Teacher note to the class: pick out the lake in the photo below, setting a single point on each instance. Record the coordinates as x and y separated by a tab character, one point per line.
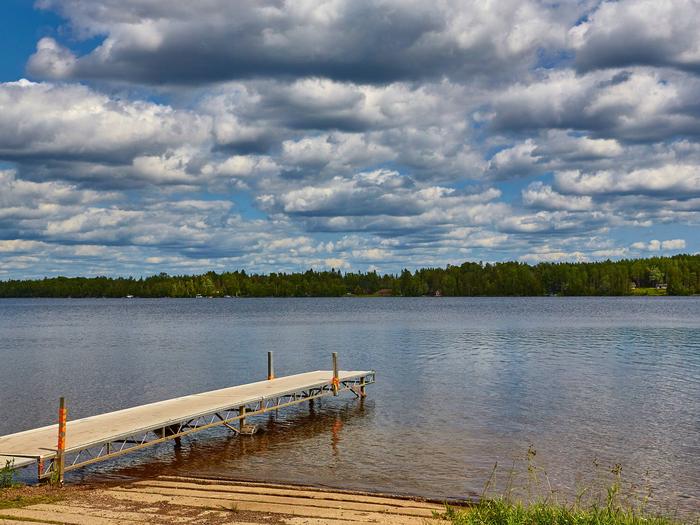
462	384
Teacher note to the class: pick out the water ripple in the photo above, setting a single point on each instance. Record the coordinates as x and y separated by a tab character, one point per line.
462	384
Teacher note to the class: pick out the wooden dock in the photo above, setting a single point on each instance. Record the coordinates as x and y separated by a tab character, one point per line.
105	436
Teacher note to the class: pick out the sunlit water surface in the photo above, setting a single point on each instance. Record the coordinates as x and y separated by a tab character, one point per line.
462	384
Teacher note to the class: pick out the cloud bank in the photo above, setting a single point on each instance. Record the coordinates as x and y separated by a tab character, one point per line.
277	135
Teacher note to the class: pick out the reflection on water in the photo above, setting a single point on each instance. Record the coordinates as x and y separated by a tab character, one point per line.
310	429
461	384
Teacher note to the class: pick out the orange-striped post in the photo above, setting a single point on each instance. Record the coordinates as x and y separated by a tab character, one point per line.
60	449
40	468
270	367
336	381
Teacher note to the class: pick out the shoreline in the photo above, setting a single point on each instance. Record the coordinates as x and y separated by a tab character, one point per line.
206	500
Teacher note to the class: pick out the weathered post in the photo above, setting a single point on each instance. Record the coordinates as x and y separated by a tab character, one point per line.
363	392
270	367
59	464
241	421
336	381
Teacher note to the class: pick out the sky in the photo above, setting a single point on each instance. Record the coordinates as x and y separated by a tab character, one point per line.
144	136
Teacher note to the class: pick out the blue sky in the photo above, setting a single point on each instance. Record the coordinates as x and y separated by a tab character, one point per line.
20	27
138	137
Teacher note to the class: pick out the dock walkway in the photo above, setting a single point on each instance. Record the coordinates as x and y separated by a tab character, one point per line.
105	436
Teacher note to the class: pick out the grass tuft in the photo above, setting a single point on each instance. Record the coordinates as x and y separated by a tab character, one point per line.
7	475
537	503
15	495
499	511
16	501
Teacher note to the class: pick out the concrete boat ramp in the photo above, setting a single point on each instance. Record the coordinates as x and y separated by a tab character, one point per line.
171	500
105	436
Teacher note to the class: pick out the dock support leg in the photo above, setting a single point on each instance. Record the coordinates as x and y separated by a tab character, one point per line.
270	367
59	462
241	422
336	382
363	392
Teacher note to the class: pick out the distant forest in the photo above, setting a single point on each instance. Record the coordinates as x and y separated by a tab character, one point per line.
677	275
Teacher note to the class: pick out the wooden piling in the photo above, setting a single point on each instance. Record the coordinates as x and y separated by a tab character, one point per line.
241	421
336	381
270	367
61	446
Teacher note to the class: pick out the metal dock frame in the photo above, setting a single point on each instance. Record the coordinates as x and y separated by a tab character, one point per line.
69	455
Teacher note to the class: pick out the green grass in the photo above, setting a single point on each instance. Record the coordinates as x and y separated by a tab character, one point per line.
16	501
648	291
500	511
15	495
7	475
533	501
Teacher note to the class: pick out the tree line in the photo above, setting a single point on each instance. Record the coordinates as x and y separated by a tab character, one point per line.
677	275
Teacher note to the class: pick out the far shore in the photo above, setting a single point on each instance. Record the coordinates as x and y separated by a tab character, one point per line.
677	275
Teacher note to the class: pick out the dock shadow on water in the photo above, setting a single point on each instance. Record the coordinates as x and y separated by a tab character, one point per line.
317	430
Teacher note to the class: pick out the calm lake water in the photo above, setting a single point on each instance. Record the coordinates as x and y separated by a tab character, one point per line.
461	384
